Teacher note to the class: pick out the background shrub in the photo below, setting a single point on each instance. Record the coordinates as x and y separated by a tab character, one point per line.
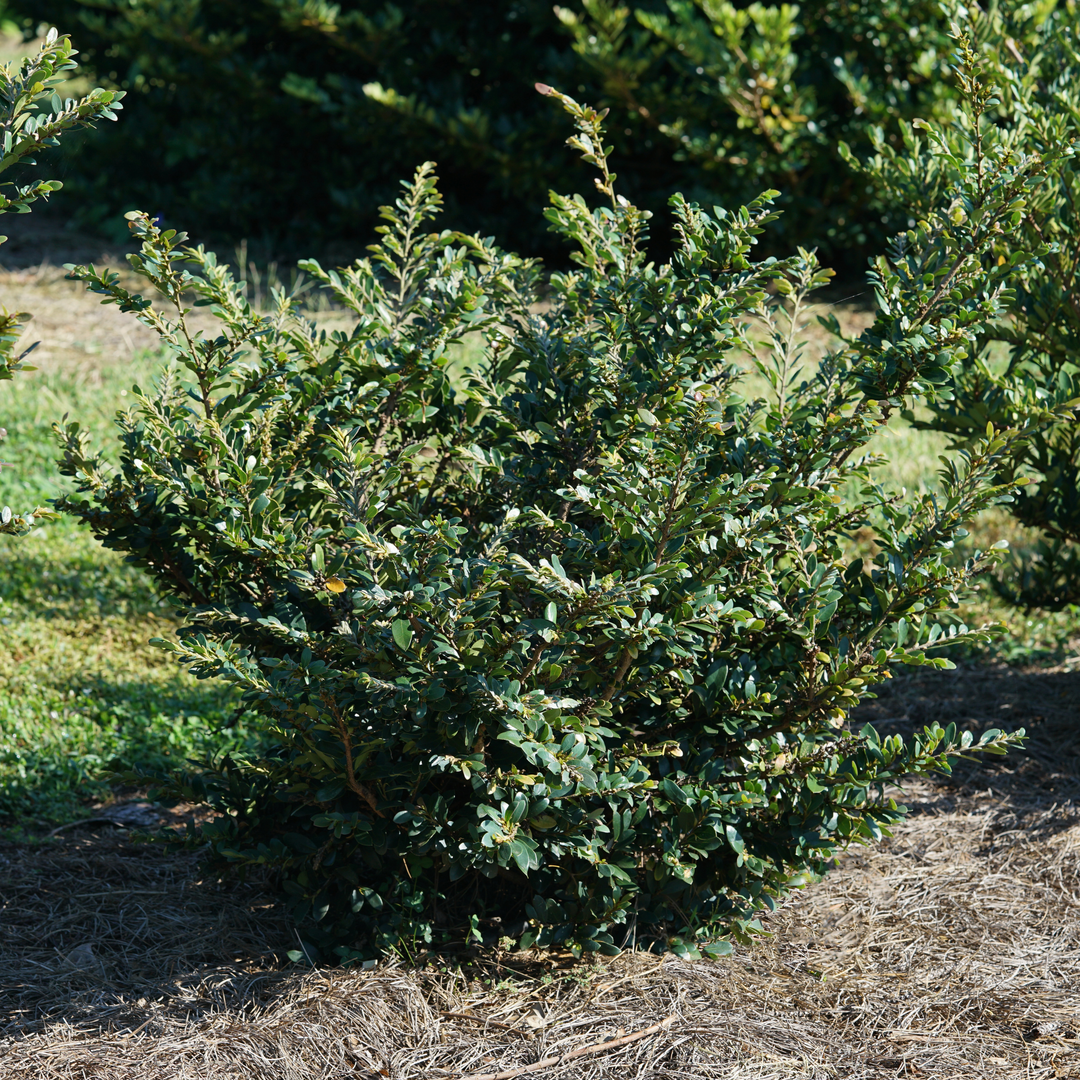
1034	64
559	642
292	121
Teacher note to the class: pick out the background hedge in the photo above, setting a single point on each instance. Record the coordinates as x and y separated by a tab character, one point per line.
291	121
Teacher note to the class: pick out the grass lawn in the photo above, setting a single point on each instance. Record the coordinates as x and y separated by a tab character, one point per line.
81	693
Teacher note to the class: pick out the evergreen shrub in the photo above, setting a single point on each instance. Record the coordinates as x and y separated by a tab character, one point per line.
554	628
1032	65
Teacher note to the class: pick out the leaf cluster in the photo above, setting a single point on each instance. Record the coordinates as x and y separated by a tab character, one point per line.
1022	67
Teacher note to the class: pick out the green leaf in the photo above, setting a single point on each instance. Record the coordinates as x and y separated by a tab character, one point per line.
734	839
403	634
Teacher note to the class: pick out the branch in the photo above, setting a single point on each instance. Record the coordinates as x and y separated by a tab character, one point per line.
350	775
192	592
624	663
584	1051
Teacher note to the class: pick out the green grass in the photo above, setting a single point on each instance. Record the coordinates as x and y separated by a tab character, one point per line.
81	693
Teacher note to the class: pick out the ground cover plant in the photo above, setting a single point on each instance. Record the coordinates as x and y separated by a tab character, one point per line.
576	642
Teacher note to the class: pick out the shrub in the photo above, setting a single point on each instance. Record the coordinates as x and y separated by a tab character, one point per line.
565	636
740	96
29	127
715	99
1034	69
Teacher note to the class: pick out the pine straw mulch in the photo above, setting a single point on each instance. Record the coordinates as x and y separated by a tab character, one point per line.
952	950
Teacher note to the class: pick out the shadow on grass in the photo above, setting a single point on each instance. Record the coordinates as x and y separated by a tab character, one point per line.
82	694
66	740
62	572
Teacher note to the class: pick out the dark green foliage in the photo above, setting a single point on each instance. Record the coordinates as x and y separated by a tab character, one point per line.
292	121
566	636
32	119
739	96
1033	68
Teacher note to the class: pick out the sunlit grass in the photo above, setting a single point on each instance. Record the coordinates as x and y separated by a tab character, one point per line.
81	693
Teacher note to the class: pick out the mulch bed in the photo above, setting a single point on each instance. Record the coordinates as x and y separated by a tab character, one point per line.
951	950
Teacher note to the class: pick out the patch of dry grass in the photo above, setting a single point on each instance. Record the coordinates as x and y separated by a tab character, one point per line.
950	951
